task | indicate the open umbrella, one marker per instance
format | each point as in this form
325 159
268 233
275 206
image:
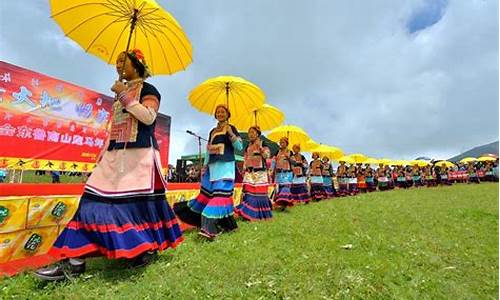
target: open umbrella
267 117
295 134
309 145
468 160
347 159
329 151
447 164
486 158
358 157
371 161
105 28
240 95
400 162
419 163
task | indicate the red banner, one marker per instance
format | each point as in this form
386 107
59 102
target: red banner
50 124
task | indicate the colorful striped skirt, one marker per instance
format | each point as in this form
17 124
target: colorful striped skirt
299 190
370 184
343 186
255 205
118 227
283 196
212 210
317 188
328 186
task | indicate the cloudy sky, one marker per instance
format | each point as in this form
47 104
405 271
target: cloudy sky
387 78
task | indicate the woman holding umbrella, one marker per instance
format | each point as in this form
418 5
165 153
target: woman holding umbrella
255 204
299 190
283 175
316 178
123 212
212 210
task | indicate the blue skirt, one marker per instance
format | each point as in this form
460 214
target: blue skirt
300 193
284 195
255 205
318 191
212 209
118 227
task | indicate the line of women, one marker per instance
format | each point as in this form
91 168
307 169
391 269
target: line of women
123 212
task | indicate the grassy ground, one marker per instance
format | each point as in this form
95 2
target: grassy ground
439 243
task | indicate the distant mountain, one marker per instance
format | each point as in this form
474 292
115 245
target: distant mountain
477 151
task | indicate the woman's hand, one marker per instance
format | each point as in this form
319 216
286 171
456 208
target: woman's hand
118 87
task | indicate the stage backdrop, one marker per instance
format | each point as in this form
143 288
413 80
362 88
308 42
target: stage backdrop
50 124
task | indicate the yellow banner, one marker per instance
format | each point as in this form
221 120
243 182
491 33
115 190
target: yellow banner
30 225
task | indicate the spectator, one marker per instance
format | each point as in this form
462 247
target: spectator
56 177
3 175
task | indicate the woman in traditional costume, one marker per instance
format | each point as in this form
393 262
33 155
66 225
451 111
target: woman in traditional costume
123 212
443 175
255 204
370 178
342 179
382 178
300 192
353 180
361 178
283 175
417 176
316 178
212 210
327 173
472 172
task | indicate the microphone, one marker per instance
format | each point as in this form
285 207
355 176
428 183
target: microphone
190 132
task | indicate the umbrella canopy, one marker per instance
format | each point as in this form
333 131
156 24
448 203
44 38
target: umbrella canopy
309 145
240 95
448 164
371 161
358 157
486 158
295 135
106 28
347 159
468 160
329 151
419 163
400 162
385 161
267 117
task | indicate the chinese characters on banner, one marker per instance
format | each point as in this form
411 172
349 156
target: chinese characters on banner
49 124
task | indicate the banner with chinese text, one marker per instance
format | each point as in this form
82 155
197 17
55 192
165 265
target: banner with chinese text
50 124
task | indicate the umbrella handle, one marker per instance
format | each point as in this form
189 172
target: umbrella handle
133 23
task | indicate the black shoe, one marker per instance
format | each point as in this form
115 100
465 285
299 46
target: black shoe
60 271
143 259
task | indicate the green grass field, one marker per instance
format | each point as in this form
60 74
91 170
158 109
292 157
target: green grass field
439 243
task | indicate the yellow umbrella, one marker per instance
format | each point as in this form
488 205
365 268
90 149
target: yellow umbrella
448 164
358 157
329 151
486 158
309 145
347 159
468 160
419 163
371 161
267 117
400 162
241 96
295 134
105 28
385 161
